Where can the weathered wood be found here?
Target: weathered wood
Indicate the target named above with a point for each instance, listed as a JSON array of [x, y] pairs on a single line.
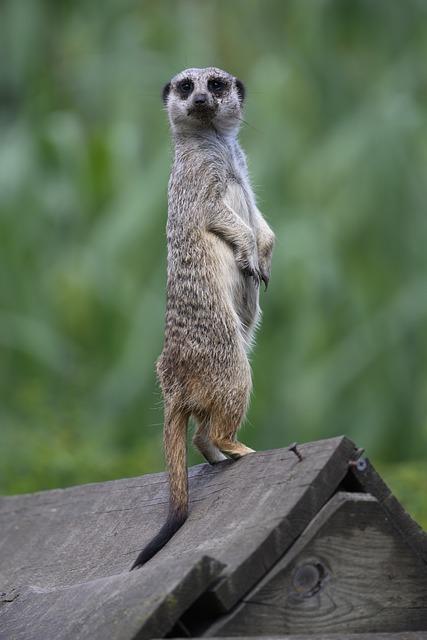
[[59, 538], [369, 481], [65, 554], [407, 635], [117, 607], [350, 570], [289, 501], [71, 549]]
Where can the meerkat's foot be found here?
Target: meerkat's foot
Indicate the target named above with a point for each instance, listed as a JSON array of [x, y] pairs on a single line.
[[234, 450], [217, 460], [207, 448], [236, 455], [215, 456]]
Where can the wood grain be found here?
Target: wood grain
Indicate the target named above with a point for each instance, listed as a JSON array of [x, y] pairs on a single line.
[[407, 635], [286, 504], [369, 481], [349, 571], [65, 554], [119, 607], [241, 512]]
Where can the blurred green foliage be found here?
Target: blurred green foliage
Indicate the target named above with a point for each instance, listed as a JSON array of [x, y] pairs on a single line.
[[337, 141]]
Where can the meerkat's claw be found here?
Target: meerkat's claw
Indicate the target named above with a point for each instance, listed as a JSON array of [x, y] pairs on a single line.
[[264, 273], [265, 279]]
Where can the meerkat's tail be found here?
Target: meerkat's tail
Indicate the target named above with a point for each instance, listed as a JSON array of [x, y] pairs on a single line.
[[175, 444]]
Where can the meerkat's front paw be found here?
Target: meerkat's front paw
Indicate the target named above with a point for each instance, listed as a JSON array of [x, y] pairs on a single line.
[[250, 269], [265, 243], [253, 272]]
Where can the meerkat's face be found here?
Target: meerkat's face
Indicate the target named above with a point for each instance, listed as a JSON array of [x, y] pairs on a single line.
[[204, 99]]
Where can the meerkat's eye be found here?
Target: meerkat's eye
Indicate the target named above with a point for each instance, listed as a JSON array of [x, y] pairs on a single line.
[[185, 87], [216, 85]]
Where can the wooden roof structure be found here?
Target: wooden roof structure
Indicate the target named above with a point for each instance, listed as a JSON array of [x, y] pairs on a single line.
[[273, 546]]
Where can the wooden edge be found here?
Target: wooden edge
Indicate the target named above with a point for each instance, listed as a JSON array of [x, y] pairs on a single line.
[[228, 591], [205, 571], [106, 486], [405, 635], [369, 480], [125, 606]]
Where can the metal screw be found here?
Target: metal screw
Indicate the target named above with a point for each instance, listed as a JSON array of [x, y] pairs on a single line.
[[360, 465], [294, 448]]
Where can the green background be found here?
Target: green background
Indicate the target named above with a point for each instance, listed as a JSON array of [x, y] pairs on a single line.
[[336, 134]]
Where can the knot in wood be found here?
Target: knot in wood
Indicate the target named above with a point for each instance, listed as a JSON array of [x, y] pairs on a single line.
[[308, 578]]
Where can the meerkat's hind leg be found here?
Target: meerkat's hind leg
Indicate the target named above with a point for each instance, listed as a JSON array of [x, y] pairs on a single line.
[[203, 442], [223, 431]]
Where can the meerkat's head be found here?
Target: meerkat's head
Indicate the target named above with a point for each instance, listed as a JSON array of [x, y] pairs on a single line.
[[198, 99]]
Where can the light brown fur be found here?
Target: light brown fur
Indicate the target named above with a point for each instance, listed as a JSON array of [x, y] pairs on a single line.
[[219, 249]]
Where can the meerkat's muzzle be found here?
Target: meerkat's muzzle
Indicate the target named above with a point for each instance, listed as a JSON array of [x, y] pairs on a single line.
[[202, 107]]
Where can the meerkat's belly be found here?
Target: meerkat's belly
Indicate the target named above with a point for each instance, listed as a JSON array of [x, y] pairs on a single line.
[[235, 199], [240, 290]]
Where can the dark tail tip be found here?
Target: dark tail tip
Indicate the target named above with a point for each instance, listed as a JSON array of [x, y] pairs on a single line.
[[171, 526]]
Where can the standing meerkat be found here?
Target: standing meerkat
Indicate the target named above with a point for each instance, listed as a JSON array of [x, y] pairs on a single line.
[[219, 249]]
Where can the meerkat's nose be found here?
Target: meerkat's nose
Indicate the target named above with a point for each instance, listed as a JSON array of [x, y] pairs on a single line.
[[200, 98]]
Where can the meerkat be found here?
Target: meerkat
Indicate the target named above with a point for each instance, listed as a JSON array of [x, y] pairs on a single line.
[[219, 249]]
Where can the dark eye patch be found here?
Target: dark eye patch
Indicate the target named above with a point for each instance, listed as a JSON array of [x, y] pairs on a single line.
[[217, 86], [185, 87]]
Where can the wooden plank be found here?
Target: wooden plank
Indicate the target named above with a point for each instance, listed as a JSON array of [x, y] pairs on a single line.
[[59, 538], [350, 571], [289, 511], [120, 607], [369, 481], [406, 635]]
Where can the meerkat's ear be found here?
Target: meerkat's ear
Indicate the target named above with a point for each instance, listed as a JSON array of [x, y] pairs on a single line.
[[165, 92], [240, 90]]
